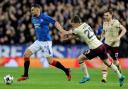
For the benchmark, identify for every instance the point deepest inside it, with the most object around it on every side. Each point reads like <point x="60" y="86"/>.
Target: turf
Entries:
<point x="52" y="78"/>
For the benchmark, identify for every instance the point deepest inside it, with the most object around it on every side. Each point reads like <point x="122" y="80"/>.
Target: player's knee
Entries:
<point x="116" y="62"/>
<point x="27" y="53"/>
<point x="81" y="59"/>
<point x="114" y="58"/>
<point x="104" y="67"/>
<point x="107" y="62"/>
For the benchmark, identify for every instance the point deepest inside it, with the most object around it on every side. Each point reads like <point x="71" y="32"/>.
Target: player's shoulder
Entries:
<point x="44" y="15"/>
<point x="33" y="19"/>
<point x="115" y="20"/>
<point x="84" y="24"/>
<point x="104" y="22"/>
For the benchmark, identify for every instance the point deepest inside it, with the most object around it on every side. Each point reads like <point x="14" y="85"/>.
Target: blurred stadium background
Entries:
<point x="17" y="33"/>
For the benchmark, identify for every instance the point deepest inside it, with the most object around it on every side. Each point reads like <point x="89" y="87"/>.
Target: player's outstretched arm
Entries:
<point x="60" y="28"/>
<point x="68" y="37"/>
<point x="55" y="23"/>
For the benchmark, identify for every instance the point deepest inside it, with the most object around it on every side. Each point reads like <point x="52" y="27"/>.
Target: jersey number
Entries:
<point x="88" y="32"/>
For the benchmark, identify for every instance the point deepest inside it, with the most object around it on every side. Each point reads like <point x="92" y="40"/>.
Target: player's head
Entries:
<point x="75" y="21"/>
<point x="35" y="9"/>
<point x="108" y="14"/>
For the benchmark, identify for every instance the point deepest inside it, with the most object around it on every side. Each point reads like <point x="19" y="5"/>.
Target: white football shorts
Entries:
<point x="44" y="46"/>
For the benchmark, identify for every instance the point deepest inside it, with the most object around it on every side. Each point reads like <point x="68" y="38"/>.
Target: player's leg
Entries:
<point x="27" y="55"/>
<point x="58" y="65"/>
<point x="114" y="67"/>
<point x="114" y="56"/>
<point x="48" y="53"/>
<point x="88" y="54"/>
<point x="116" y="62"/>
<point x="103" y="55"/>
<point x="32" y="49"/>
<point x="104" y="73"/>
<point x="104" y="67"/>
<point x="113" y="53"/>
<point x="43" y="59"/>
<point x="105" y="70"/>
<point x="84" y="69"/>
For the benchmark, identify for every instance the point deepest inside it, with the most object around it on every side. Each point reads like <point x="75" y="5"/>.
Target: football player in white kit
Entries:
<point x="84" y="32"/>
<point x="113" y="31"/>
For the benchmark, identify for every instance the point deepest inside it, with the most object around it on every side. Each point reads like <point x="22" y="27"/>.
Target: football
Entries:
<point x="8" y="79"/>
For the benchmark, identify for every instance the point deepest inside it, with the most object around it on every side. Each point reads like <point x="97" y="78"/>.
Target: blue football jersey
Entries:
<point x="41" y="25"/>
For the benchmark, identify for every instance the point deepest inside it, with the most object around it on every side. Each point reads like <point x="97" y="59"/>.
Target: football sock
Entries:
<point x="58" y="65"/>
<point x="84" y="69"/>
<point x="116" y="62"/>
<point x="116" y="70"/>
<point x="118" y="66"/>
<point x="104" y="74"/>
<point x="26" y="66"/>
<point x="104" y="71"/>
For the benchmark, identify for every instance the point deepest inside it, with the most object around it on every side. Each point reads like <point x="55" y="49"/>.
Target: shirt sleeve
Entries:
<point x="117" y="23"/>
<point x="49" y="19"/>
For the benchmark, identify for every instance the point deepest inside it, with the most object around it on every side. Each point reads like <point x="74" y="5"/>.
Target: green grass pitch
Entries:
<point x="53" y="78"/>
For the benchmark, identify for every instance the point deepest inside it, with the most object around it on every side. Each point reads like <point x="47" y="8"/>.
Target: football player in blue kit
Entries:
<point x="43" y="41"/>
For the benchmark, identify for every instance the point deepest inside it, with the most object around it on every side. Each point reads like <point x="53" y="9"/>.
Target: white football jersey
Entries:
<point x="85" y="33"/>
<point x="111" y="32"/>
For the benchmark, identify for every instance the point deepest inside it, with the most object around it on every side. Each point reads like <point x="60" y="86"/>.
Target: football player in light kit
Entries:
<point x="43" y="42"/>
<point x="112" y="32"/>
<point x="84" y="32"/>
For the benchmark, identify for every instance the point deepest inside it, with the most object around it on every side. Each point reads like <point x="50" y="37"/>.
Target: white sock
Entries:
<point x="104" y="71"/>
<point x="84" y="69"/>
<point x="104" y="74"/>
<point x="114" y="67"/>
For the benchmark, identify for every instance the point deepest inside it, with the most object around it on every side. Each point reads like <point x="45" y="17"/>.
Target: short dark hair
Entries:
<point x="76" y="19"/>
<point x="109" y="10"/>
<point x="36" y="5"/>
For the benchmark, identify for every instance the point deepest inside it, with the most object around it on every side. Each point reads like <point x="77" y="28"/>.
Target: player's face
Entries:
<point x="107" y="16"/>
<point x="35" y="11"/>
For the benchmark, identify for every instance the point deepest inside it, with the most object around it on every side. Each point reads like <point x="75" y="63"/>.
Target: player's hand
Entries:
<point x="62" y="36"/>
